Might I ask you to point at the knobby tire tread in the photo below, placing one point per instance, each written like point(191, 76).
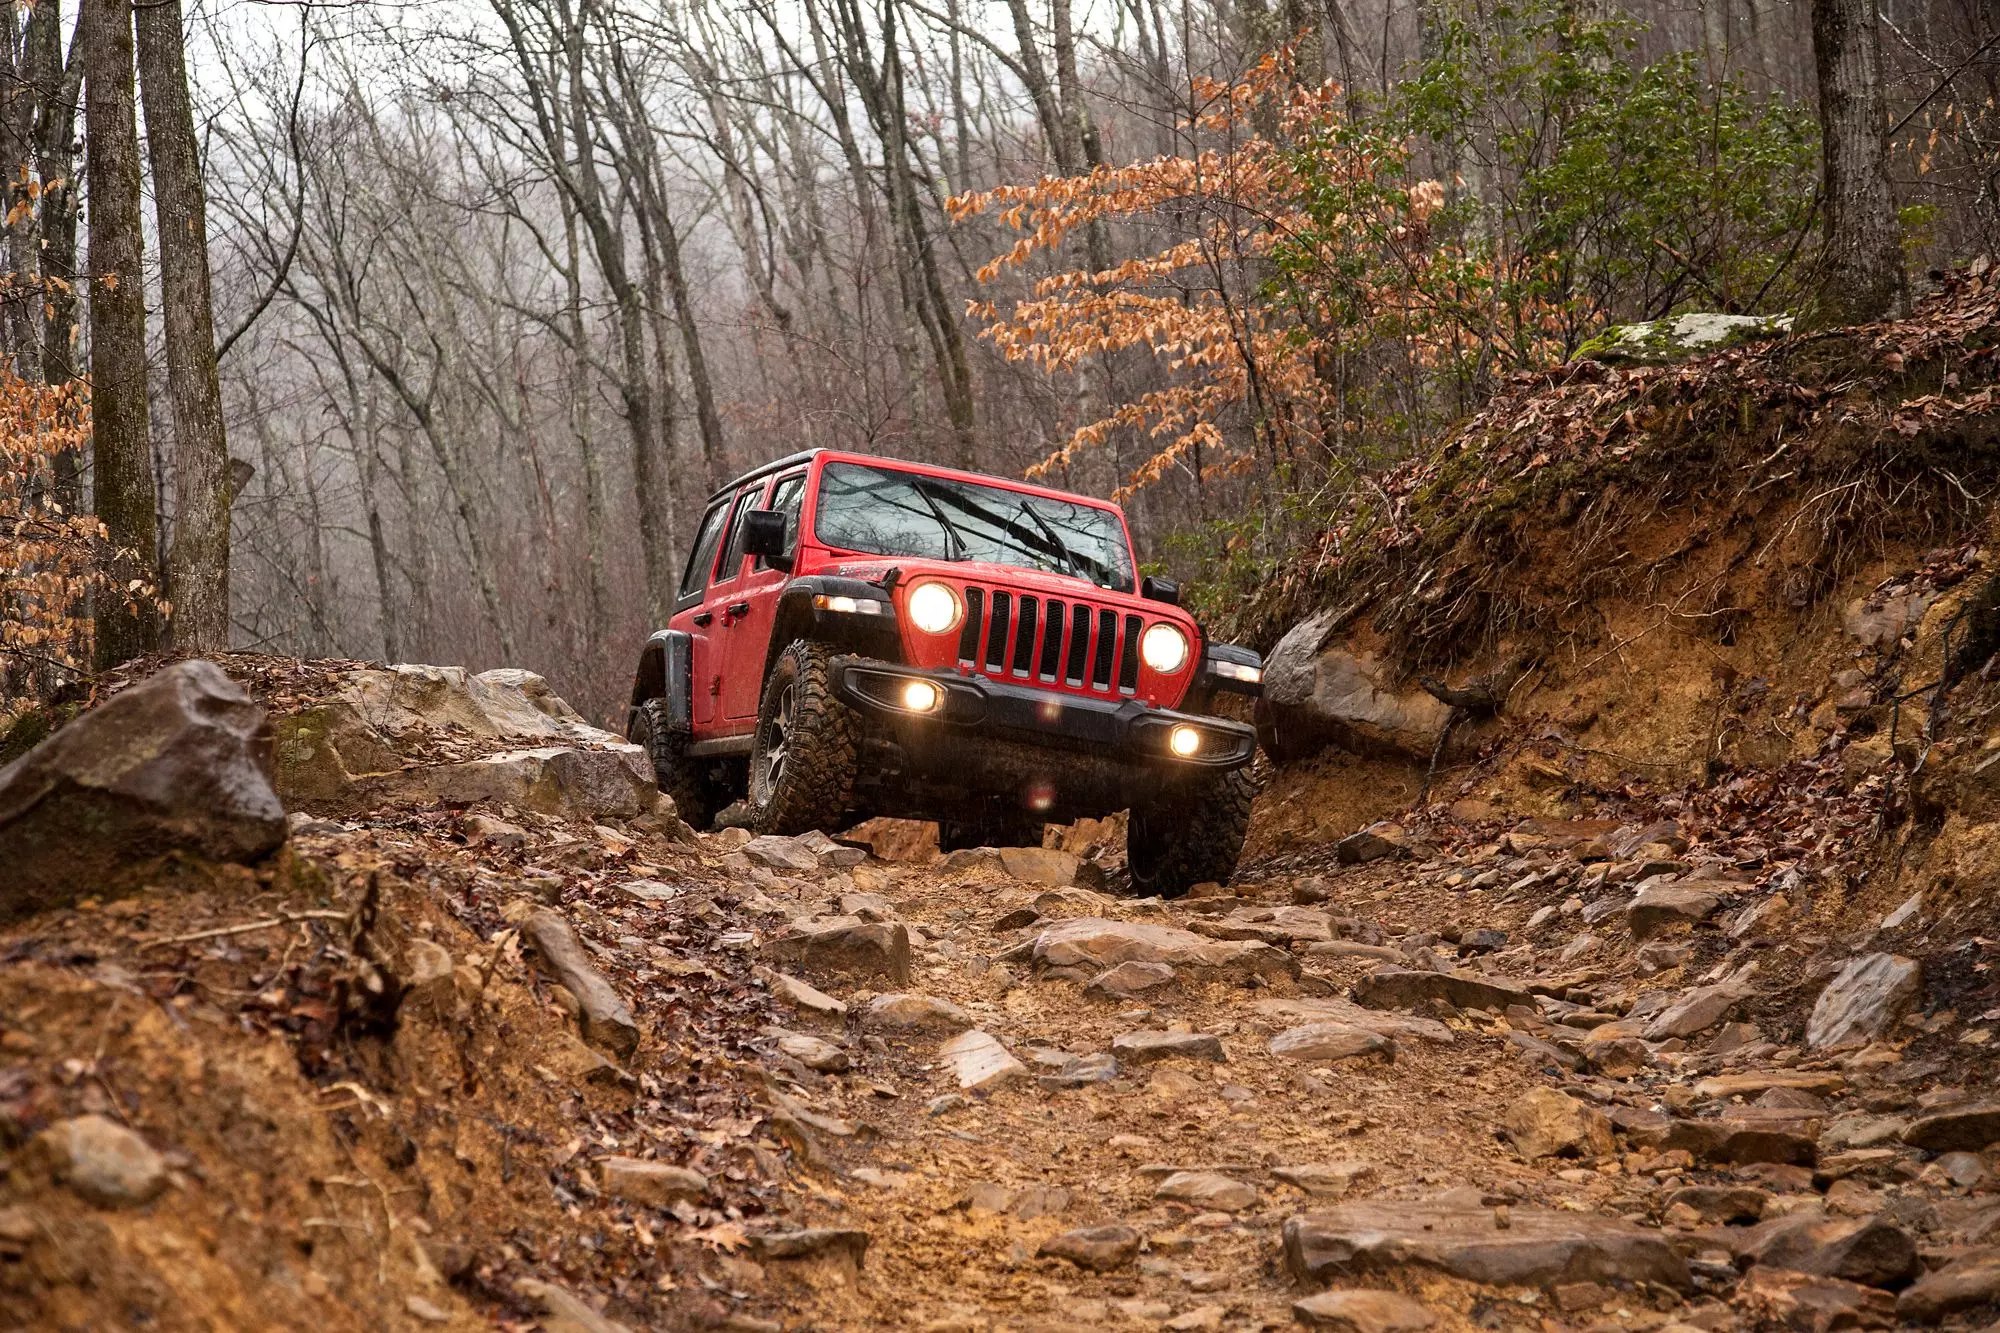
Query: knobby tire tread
point(693, 792)
point(1193, 837)
point(817, 786)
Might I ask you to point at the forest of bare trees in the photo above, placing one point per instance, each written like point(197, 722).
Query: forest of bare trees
point(502, 288)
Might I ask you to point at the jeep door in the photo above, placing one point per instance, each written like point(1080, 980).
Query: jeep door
point(708, 659)
point(747, 643)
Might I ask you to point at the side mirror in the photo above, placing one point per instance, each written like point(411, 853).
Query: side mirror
point(1153, 589)
point(764, 532)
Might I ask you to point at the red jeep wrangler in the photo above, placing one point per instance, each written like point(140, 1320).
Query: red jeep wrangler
point(857, 637)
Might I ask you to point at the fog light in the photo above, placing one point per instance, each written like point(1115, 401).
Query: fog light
point(1183, 741)
point(920, 696)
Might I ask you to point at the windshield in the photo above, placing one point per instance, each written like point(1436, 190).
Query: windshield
point(879, 511)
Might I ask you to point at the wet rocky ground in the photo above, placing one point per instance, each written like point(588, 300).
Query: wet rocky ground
point(488, 1056)
point(1558, 1079)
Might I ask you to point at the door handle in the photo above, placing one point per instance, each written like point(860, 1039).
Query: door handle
point(739, 609)
point(704, 618)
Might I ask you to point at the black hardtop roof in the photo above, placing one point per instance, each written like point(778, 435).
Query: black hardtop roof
point(807, 455)
point(764, 470)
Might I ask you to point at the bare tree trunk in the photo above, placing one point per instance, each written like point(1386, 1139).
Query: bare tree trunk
point(1863, 275)
point(581, 431)
point(120, 459)
point(199, 564)
point(59, 84)
point(23, 241)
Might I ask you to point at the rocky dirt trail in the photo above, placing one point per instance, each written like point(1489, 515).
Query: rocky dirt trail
point(1555, 1095)
point(490, 1039)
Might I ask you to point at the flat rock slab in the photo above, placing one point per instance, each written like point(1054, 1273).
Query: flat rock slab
point(1660, 907)
point(805, 998)
point(1746, 1135)
point(1326, 1179)
point(1864, 1000)
point(1042, 865)
point(1778, 1298)
point(1539, 1246)
point(777, 853)
point(1763, 1080)
point(817, 1055)
point(1379, 953)
point(1402, 988)
point(1273, 925)
point(811, 1243)
point(1209, 1190)
point(177, 763)
point(847, 945)
point(1099, 1249)
point(655, 1184)
point(1129, 979)
point(1697, 1010)
point(1327, 1040)
point(1098, 944)
point(1961, 1129)
point(914, 1013)
point(1144, 1048)
point(1392, 1025)
point(1722, 1205)
point(1097, 1067)
point(1866, 1250)
point(1371, 844)
point(1968, 1281)
point(1362, 1311)
point(979, 1062)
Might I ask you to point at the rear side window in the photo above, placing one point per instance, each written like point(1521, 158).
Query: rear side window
point(702, 558)
point(785, 499)
point(732, 549)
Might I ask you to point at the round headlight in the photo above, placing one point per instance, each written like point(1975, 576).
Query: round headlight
point(934, 608)
point(1165, 649)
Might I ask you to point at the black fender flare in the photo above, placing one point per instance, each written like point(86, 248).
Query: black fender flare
point(664, 672)
point(798, 617)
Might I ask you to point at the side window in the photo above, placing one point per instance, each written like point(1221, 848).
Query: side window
point(732, 549)
point(786, 497)
point(702, 558)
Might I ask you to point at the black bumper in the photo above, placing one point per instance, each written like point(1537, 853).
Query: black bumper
point(1124, 731)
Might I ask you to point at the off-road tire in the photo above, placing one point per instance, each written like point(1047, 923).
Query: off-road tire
point(696, 795)
point(1191, 835)
point(817, 743)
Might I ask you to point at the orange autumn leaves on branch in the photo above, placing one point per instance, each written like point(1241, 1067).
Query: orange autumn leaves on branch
point(53, 561)
point(1301, 247)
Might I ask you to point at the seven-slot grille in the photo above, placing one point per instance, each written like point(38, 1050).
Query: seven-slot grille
point(1019, 637)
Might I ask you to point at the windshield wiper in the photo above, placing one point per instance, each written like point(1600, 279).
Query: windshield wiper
point(1062, 551)
point(954, 540)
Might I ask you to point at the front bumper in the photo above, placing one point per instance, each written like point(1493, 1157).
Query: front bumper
point(973, 707)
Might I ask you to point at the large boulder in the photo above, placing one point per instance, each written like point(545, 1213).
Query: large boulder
point(400, 735)
point(180, 762)
point(1317, 694)
point(1656, 342)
